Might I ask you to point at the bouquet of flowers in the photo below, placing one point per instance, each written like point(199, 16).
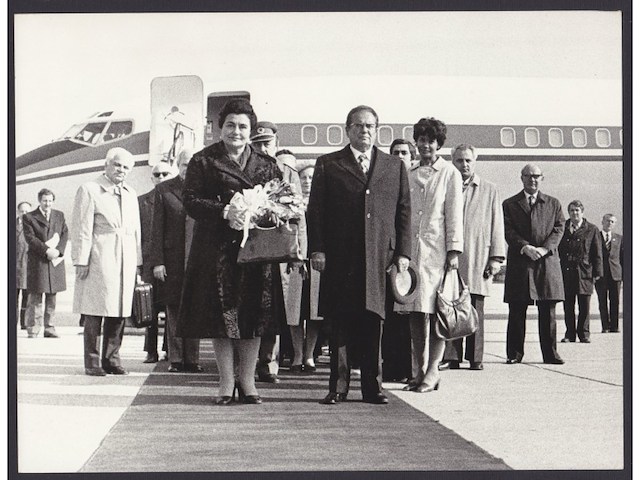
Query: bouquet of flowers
point(268, 206)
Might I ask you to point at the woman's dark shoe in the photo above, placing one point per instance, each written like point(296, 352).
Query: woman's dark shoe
point(424, 387)
point(252, 399)
point(224, 400)
point(296, 368)
point(193, 368)
point(411, 385)
point(240, 392)
point(309, 368)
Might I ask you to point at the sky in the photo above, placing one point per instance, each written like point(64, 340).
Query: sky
point(68, 66)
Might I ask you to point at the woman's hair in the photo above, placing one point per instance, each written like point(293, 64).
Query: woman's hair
point(402, 141)
point(238, 106)
point(431, 128)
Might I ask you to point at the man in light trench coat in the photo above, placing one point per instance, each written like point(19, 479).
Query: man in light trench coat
point(106, 252)
point(484, 251)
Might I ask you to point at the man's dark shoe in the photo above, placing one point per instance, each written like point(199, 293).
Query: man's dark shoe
point(449, 365)
point(567, 340)
point(605, 330)
point(332, 398)
point(268, 378)
point(476, 366)
point(555, 361)
point(585, 340)
point(511, 361)
point(377, 399)
point(193, 368)
point(51, 334)
point(95, 372)
point(115, 370)
point(151, 358)
point(614, 330)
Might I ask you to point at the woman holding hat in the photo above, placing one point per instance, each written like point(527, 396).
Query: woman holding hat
point(222, 299)
point(436, 218)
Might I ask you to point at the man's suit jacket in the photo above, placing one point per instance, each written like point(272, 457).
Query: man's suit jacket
point(360, 222)
point(146, 204)
point(525, 279)
point(612, 258)
point(169, 238)
point(581, 250)
point(42, 276)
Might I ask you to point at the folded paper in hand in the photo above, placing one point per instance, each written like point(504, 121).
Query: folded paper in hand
point(53, 243)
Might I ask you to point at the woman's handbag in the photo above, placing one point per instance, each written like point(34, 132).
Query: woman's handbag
point(455, 318)
point(272, 245)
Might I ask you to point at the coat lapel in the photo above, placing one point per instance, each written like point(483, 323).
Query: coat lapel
point(176, 189)
point(378, 168)
point(350, 165)
point(231, 168)
point(522, 201)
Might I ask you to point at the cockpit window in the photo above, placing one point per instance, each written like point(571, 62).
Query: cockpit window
point(118, 130)
point(86, 132)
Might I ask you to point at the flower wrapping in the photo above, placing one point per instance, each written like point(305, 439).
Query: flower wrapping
point(272, 205)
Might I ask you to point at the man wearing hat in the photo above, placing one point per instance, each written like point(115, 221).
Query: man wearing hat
point(359, 224)
point(265, 140)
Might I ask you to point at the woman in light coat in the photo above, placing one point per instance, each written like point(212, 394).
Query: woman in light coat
point(437, 234)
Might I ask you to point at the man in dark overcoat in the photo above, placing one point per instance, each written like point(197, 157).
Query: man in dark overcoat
point(21, 265)
point(608, 286)
point(46, 233)
point(159, 173)
point(170, 243)
point(533, 225)
point(359, 222)
point(581, 259)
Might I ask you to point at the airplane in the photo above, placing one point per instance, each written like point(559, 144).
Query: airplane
point(571, 127)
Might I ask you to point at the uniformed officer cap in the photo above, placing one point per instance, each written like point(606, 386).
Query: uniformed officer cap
point(264, 132)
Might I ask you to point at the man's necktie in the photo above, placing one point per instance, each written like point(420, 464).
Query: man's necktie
point(607, 240)
point(532, 201)
point(364, 164)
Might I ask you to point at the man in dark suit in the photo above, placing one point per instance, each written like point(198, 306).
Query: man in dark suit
point(359, 222)
point(581, 259)
point(159, 173)
point(608, 286)
point(533, 225)
point(170, 243)
point(46, 233)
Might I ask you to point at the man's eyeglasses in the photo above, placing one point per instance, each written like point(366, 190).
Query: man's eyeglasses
point(535, 176)
point(367, 126)
point(160, 174)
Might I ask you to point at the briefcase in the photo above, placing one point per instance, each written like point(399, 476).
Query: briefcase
point(142, 313)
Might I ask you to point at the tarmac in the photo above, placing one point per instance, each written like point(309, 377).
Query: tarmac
point(528, 416)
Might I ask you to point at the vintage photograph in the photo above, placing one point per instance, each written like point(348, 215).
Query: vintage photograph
point(319, 241)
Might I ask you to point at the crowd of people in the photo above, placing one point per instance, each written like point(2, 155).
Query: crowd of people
point(366, 211)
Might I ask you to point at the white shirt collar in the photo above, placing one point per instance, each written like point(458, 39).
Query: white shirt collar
point(44, 214)
point(357, 153)
point(534, 195)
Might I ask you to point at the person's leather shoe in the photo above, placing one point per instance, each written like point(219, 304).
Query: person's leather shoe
point(268, 378)
point(175, 367)
point(614, 330)
point(296, 369)
point(555, 361)
point(377, 399)
point(605, 330)
point(511, 361)
point(224, 400)
point(252, 399)
point(151, 358)
point(51, 335)
point(449, 365)
point(567, 340)
point(585, 340)
point(332, 398)
point(115, 370)
point(193, 368)
point(476, 366)
point(95, 372)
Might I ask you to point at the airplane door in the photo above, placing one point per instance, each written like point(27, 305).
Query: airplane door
point(215, 102)
point(176, 117)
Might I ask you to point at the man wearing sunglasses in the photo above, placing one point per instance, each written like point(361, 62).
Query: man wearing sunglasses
point(159, 173)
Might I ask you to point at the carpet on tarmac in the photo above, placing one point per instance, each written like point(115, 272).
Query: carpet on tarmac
point(173, 425)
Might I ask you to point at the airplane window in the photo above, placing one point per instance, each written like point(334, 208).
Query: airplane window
point(309, 134)
point(579, 137)
point(385, 135)
point(531, 137)
point(507, 137)
point(90, 133)
point(407, 133)
point(556, 137)
point(334, 135)
point(603, 137)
